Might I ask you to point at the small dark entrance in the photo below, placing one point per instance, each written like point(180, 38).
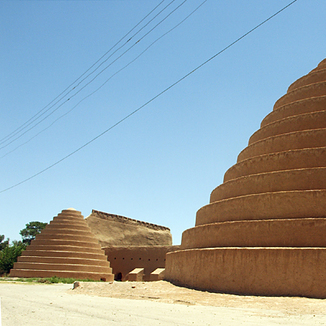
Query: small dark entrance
point(118, 277)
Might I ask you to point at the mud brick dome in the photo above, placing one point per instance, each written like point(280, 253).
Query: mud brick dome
point(264, 230)
point(65, 248)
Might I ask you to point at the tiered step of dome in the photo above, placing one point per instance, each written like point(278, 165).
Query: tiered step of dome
point(295, 108)
point(65, 248)
point(264, 223)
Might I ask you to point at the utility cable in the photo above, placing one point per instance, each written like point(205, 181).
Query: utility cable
point(39, 113)
point(152, 99)
point(95, 91)
point(89, 82)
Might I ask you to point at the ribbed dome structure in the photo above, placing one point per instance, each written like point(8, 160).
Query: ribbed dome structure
point(65, 248)
point(264, 230)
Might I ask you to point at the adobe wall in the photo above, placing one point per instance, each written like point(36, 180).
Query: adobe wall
point(298, 92)
point(315, 76)
point(251, 271)
point(285, 160)
point(290, 141)
point(310, 120)
point(284, 180)
point(263, 231)
point(294, 108)
point(124, 259)
point(116, 230)
point(269, 205)
point(297, 232)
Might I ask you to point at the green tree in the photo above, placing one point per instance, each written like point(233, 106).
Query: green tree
point(3, 244)
point(31, 230)
point(9, 255)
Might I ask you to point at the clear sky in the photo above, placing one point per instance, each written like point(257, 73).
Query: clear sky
point(161, 164)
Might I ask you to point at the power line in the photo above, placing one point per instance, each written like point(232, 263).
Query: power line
point(58, 98)
point(95, 91)
point(152, 99)
point(97, 75)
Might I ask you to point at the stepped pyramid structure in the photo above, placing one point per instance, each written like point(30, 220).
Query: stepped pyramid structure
point(264, 230)
point(65, 248)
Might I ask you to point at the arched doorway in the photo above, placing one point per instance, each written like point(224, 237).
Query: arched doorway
point(118, 277)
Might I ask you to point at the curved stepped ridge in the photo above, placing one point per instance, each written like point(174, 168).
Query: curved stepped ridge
point(263, 231)
point(65, 248)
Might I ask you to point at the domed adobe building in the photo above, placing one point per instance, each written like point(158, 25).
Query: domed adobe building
point(65, 248)
point(264, 230)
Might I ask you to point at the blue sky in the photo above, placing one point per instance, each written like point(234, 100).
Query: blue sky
point(161, 164)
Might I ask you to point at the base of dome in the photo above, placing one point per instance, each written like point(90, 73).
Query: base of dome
point(270, 271)
point(28, 273)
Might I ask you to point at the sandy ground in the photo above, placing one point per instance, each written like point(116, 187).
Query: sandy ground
point(148, 304)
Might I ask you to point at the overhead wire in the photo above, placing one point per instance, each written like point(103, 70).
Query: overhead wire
point(107, 80)
point(98, 74)
point(39, 113)
point(152, 99)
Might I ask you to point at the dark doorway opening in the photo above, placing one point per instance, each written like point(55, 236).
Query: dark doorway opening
point(118, 277)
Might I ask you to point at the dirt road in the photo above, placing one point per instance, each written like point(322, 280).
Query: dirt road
point(148, 304)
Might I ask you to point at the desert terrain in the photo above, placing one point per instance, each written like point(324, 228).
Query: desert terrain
point(148, 303)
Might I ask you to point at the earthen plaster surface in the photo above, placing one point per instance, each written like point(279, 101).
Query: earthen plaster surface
point(116, 230)
point(263, 230)
point(65, 248)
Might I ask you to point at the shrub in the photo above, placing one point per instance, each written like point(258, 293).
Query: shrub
point(3, 244)
point(31, 230)
point(9, 255)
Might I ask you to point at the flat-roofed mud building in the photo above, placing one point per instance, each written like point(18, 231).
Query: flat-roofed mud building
point(131, 244)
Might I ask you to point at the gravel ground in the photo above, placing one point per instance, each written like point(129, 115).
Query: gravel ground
point(148, 304)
